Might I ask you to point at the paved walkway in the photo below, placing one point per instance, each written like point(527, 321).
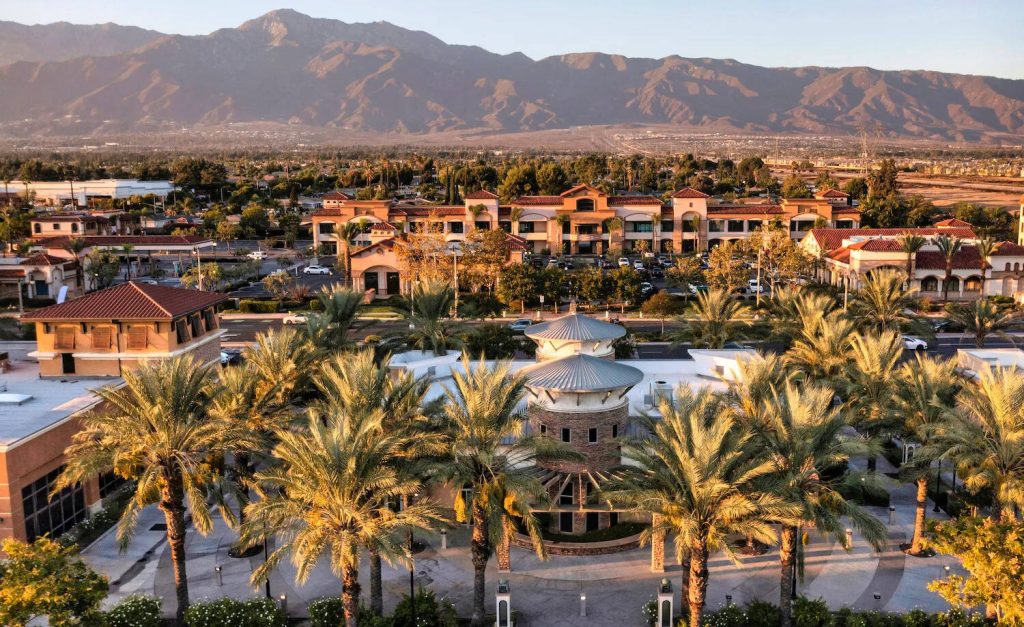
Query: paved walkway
point(544, 593)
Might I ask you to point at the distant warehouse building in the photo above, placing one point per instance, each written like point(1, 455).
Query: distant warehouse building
point(61, 192)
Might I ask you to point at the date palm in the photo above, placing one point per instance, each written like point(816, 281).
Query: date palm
point(802, 435)
point(432, 304)
point(910, 244)
point(345, 234)
point(883, 304)
point(331, 491)
point(328, 329)
point(867, 386)
point(983, 318)
point(792, 308)
point(75, 246)
point(985, 247)
point(927, 391)
point(698, 473)
point(482, 413)
point(714, 319)
point(821, 352)
point(949, 247)
point(985, 437)
point(157, 432)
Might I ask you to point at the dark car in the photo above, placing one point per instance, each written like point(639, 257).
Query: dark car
point(657, 273)
point(537, 263)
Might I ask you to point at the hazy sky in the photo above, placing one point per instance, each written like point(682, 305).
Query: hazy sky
point(967, 36)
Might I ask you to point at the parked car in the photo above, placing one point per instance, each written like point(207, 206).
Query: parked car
point(646, 289)
point(638, 265)
point(623, 262)
point(657, 273)
point(912, 343)
point(295, 318)
point(316, 269)
point(607, 265)
point(753, 287)
point(147, 281)
point(537, 263)
point(520, 326)
point(697, 287)
point(230, 356)
point(567, 265)
point(257, 255)
point(553, 262)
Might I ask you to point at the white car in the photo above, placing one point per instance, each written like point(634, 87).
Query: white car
point(258, 255)
point(295, 318)
point(314, 269)
point(623, 262)
point(638, 265)
point(912, 343)
point(754, 288)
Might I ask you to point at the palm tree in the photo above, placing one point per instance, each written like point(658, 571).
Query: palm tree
point(910, 244)
point(801, 433)
point(867, 386)
point(822, 351)
point(949, 247)
point(883, 303)
point(515, 216)
point(432, 304)
point(328, 329)
point(127, 250)
point(697, 473)
point(985, 438)
point(985, 247)
point(983, 318)
point(476, 211)
point(358, 384)
point(331, 491)
point(714, 319)
point(695, 225)
point(482, 413)
point(157, 432)
point(791, 309)
point(927, 393)
point(75, 246)
point(345, 234)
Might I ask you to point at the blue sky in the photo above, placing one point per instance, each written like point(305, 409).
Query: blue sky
point(966, 36)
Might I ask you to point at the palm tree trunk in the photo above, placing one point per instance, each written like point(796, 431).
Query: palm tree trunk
point(376, 586)
point(172, 504)
point(919, 516)
point(350, 595)
point(698, 587)
point(945, 285)
point(481, 550)
point(787, 558)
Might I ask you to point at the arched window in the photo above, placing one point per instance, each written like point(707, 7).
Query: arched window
point(972, 284)
point(585, 204)
point(929, 284)
point(1007, 268)
point(952, 285)
point(1016, 267)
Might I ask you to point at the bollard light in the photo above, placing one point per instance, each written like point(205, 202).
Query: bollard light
point(728, 599)
point(583, 604)
point(284, 603)
point(220, 575)
point(849, 538)
point(877, 596)
point(892, 514)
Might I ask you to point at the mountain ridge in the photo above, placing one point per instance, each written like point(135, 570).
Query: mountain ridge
point(289, 68)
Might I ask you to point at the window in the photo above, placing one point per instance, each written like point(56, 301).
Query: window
point(194, 323)
point(566, 497)
point(715, 226)
point(953, 285)
point(753, 225)
point(666, 226)
point(565, 522)
point(74, 227)
point(567, 227)
point(735, 226)
point(585, 229)
point(482, 225)
point(640, 227)
point(505, 225)
point(51, 516)
point(689, 225)
point(526, 228)
point(138, 338)
point(326, 228)
point(543, 428)
point(972, 284)
point(210, 318)
point(592, 435)
point(566, 434)
point(615, 431)
point(844, 224)
point(801, 225)
point(65, 339)
point(181, 331)
point(56, 227)
point(38, 228)
point(585, 204)
point(109, 483)
point(102, 338)
point(929, 284)
point(455, 227)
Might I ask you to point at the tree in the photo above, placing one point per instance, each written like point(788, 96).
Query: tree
point(949, 247)
point(127, 251)
point(910, 244)
point(593, 285)
point(628, 285)
point(697, 474)
point(46, 579)
point(104, 267)
point(985, 247)
point(158, 433)
point(927, 391)
point(331, 492)
point(793, 309)
point(552, 179)
point(432, 303)
point(725, 268)
point(345, 233)
point(825, 182)
point(328, 329)
point(228, 232)
point(993, 555)
point(75, 246)
point(480, 414)
point(777, 256)
point(983, 318)
point(685, 272)
point(857, 188)
point(519, 180)
point(484, 255)
point(254, 221)
point(207, 276)
point(662, 305)
point(278, 283)
point(883, 304)
point(985, 438)
point(714, 319)
point(882, 182)
point(821, 351)
point(553, 285)
point(517, 283)
point(868, 386)
point(794, 187)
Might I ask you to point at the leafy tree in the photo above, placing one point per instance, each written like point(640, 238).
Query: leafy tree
point(686, 271)
point(993, 554)
point(825, 182)
point(46, 579)
point(725, 268)
point(484, 256)
point(519, 180)
point(158, 433)
point(697, 474)
point(857, 188)
point(983, 318)
point(254, 221)
point(278, 283)
point(780, 258)
point(228, 232)
point(628, 285)
point(518, 283)
point(103, 267)
point(206, 276)
point(795, 187)
point(552, 179)
point(882, 182)
point(994, 222)
point(594, 285)
point(662, 305)
point(492, 341)
point(553, 285)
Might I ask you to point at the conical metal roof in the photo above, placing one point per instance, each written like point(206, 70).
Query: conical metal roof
point(576, 328)
point(581, 373)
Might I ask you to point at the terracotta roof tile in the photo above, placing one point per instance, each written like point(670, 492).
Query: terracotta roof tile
point(966, 259)
point(12, 273)
point(831, 193)
point(121, 240)
point(1008, 249)
point(130, 301)
point(336, 195)
point(633, 200)
point(726, 210)
point(43, 259)
point(689, 192)
point(831, 239)
point(538, 200)
point(954, 222)
point(430, 210)
point(481, 194)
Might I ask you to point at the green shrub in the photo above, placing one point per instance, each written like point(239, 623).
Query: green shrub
point(762, 614)
point(226, 612)
point(258, 306)
point(326, 612)
point(493, 341)
point(430, 612)
point(137, 610)
point(811, 613)
point(728, 616)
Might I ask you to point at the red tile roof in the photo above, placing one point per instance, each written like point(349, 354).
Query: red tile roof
point(70, 218)
point(580, 187)
point(831, 239)
point(384, 243)
point(966, 259)
point(689, 192)
point(954, 222)
point(831, 193)
point(743, 210)
point(481, 194)
point(877, 245)
point(430, 210)
point(515, 242)
point(121, 240)
point(336, 195)
point(12, 273)
point(538, 200)
point(131, 301)
point(1008, 249)
point(633, 200)
point(43, 259)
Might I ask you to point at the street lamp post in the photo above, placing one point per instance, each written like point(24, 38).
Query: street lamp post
point(938, 481)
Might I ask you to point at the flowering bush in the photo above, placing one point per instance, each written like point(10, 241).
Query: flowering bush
point(233, 613)
point(135, 611)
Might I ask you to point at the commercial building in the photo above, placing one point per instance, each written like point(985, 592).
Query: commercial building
point(63, 192)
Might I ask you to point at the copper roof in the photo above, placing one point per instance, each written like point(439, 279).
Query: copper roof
point(131, 301)
point(689, 192)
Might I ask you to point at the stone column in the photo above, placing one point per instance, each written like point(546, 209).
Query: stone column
point(504, 552)
point(657, 546)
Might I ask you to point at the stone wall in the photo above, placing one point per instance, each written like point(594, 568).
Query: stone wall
point(601, 455)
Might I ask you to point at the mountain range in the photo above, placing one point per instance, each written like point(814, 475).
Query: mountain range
point(287, 68)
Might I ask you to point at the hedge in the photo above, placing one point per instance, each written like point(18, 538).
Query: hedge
point(227, 612)
point(137, 610)
point(247, 305)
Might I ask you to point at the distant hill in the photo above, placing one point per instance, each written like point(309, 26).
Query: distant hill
point(62, 41)
point(288, 68)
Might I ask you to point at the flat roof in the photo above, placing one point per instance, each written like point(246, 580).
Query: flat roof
point(52, 401)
